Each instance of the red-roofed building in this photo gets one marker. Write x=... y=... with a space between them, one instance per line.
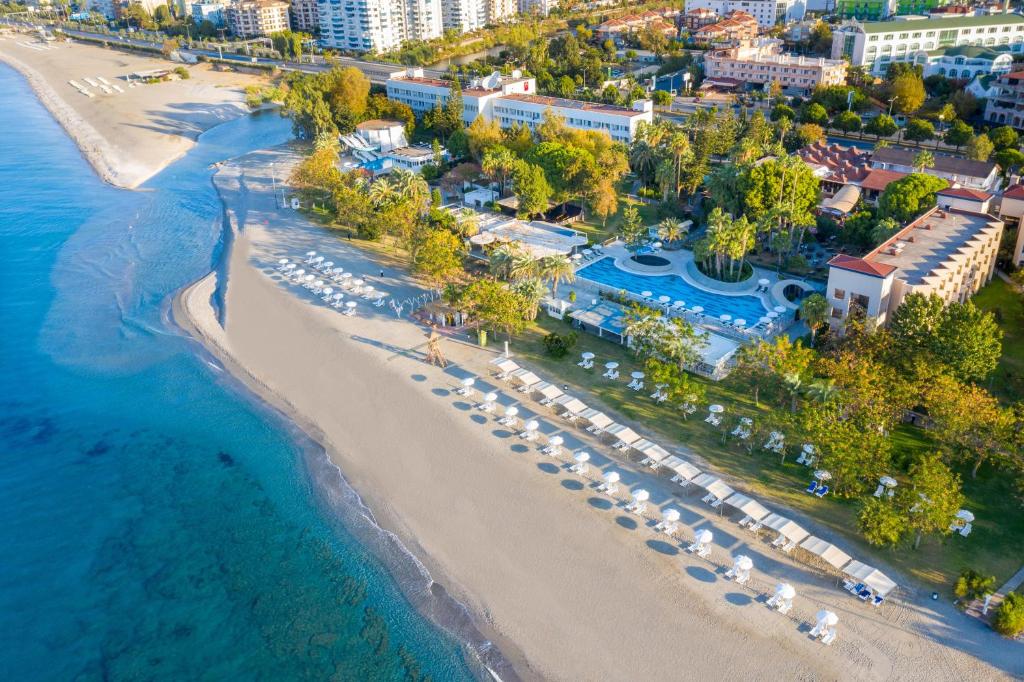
x=1003 y=108
x=699 y=18
x=877 y=179
x=738 y=28
x=964 y=199
x=661 y=21
x=1011 y=211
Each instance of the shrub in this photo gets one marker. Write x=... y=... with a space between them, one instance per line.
x=973 y=585
x=182 y=73
x=1009 y=620
x=557 y=345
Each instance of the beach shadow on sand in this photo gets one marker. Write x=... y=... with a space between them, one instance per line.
x=663 y=547
x=441 y=392
x=478 y=419
x=502 y=433
x=519 y=448
x=701 y=574
x=599 y=503
x=548 y=468
x=571 y=484
x=460 y=405
x=738 y=599
x=418 y=377
x=627 y=522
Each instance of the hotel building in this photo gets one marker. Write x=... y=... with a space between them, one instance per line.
x=464 y=15
x=875 y=45
x=306 y=15
x=765 y=63
x=378 y=25
x=251 y=18
x=947 y=252
x=767 y=12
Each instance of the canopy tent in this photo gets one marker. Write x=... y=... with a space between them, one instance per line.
x=623 y=433
x=785 y=527
x=748 y=506
x=525 y=377
x=650 y=450
x=572 y=404
x=596 y=418
x=547 y=391
x=504 y=364
x=879 y=582
x=843 y=202
x=826 y=550
x=713 y=485
x=685 y=470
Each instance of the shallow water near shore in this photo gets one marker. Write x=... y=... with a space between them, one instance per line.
x=155 y=522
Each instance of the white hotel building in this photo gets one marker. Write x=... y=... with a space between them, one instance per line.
x=876 y=44
x=511 y=101
x=378 y=25
x=767 y=12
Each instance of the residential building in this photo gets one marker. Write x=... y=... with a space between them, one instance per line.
x=1011 y=210
x=963 y=199
x=1007 y=106
x=950 y=253
x=500 y=10
x=835 y=165
x=378 y=25
x=621 y=123
x=699 y=17
x=661 y=21
x=423 y=94
x=250 y=18
x=875 y=45
x=876 y=10
x=767 y=12
x=983 y=175
x=965 y=62
x=306 y=15
x=542 y=7
x=736 y=29
x=765 y=62
x=464 y=15
x=209 y=10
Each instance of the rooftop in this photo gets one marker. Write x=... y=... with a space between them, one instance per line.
x=411 y=152
x=928 y=242
x=844 y=164
x=847 y=262
x=1014 y=192
x=878 y=179
x=965 y=193
x=943 y=162
x=574 y=104
x=973 y=52
x=377 y=124
x=941 y=24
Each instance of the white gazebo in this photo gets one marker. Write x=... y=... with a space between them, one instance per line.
x=753 y=510
x=825 y=551
x=652 y=452
x=870 y=577
x=623 y=435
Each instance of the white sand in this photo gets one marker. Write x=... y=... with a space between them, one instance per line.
x=567 y=586
x=129 y=136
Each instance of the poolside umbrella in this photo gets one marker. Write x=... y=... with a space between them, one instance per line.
x=704 y=537
x=646 y=294
x=611 y=477
x=310 y=254
x=511 y=411
x=283 y=261
x=725 y=317
x=965 y=516
x=716 y=409
x=664 y=299
x=697 y=309
x=637 y=375
x=779 y=309
x=679 y=304
x=288 y=268
x=298 y=273
x=771 y=314
x=338 y=296
x=318 y=260
x=784 y=591
x=888 y=481
x=351 y=305
x=581 y=457
x=823 y=475
x=740 y=322
x=531 y=425
x=346 y=275
x=587 y=356
x=337 y=271
x=670 y=515
x=743 y=563
x=491 y=397
x=328 y=291
x=611 y=365
x=327 y=266
x=468 y=381
x=641 y=495
x=764 y=281
x=764 y=320
x=556 y=441
x=358 y=282
x=656 y=245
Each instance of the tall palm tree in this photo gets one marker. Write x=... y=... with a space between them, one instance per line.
x=671 y=230
x=500 y=261
x=822 y=390
x=555 y=269
x=924 y=159
x=381 y=192
x=410 y=186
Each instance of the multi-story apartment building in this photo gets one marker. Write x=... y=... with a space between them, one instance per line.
x=1007 y=107
x=981 y=175
x=875 y=45
x=767 y=12
x=765 y=62
x=501 y=10
x=736 y=29
x=306 y=16
x=249 y=18
x=208 y=10
x=950 y=253
x=464 y=15
x=378 y=25
x=542 y=7
x=511 y=101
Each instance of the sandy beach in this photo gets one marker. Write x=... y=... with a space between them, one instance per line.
x=128 y=136
x=567 y=583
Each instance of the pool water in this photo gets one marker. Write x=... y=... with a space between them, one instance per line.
x=606 y=273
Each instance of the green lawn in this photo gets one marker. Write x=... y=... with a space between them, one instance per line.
x=1008 y=306
x=597 y=232
x=991 y=548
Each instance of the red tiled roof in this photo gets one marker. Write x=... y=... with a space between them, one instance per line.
x=878 y=179
x=860 y=265
x=965 y=193
x=1014 y=192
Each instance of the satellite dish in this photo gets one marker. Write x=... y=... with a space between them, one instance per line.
x=492 y=81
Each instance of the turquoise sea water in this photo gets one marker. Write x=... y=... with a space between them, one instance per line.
x=156 y=523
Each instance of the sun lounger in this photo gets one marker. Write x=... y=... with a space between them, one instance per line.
x=707 y=499
x=636 y=507
x=812 y=487
x=779 y=541
x=829 y=638
x=704 y=552
x=745 y=521
x=716 y=503
x=788 y=547
x=680 y=480
x=822 y=491
x=877 y=600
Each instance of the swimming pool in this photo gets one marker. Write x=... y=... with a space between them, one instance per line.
x=605 y=273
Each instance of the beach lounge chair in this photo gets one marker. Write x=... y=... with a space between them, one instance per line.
x=486 y=406
x=680 y=480
x=528 y=435
x=714 y=420
x=779 y=541
x=639 y=386
x=745 y=521
x=636 y=507
x=611 y=374
x=608 y=488
x=821 y=491
x=753 y=528
x=812 y=487
x=829 y=638
x=708 y=498
x=788 y=547
x=877 y=600
x=704 y=552
x=716 y=503
x=379 y=303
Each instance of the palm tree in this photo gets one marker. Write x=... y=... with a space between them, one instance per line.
x=555 y=269
x=381 y=192
x=411 y=186
x=923 y=159
x=643 y=157
x=822 y=390
x=500 y=261
x=814 y=311
x=671 y=230
x=794 y=382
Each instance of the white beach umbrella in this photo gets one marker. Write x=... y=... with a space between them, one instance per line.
x=581 y=457
x=327 y=265
x=670 y=515
x=888 y=481
x=310 y=279
x=337 y=271
x=965 y=515
x=346 y=275
x=338 y=296
x=725 y=317
x=764 y=320
x=611 y=477
x=318 y=260
x=641 y=495
x=512 y=411
x=611 y=365
x=587 y=356
x=491 y=397
x=664 y=299
x=740 y=322
x=298 y=273
x=704 y=536
x=743 y=563
x=351 y=304
x=531 y=425
x=716 y=409
x=328 y=291
x=637 y=375
x=556 y=441
x=771 y=314
x=697 y=309
x=826 y=618
x=288 y=268
x=780 y=309
x=283 y=261
x=646 y=294
x=784 y=591
x=468 y=381
x=763 y=281
x=310 y=254
x=822 y=475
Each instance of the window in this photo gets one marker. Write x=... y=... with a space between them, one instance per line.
x=839 y=294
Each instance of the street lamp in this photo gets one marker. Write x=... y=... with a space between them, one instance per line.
x=891 y=103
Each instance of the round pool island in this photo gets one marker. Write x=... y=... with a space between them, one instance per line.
x=647 y=263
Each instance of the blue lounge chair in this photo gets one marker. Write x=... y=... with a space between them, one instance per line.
x=812 y=487
x=864 y=595
x=877 y=601
x=822 y=491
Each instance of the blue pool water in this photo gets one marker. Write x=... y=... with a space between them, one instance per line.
x=605 y=272
x=155 y=522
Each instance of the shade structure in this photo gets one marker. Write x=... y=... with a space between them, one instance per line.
x=763 y=281
x=748 y=506
x=482 y=239
x=965 y=515
x=525 y=377
x=704 y=536
x=646 y=294
x=826 y=551
x=283 y=261
x=623 y=433
x=555 y=440
x=771 y=314
x=650 y=450
x=713 y=485
x=504 y=364
x=468 y=381
x=512 y=411
x=664 y=299
x=684 y=469
x=826 y=617
x=784 y=591
x=697 y=309
x=611 y=365
x=532 y=425
x=743 y=562
x=490 y=397
x=740 y=322
x=786 y=527
x=716 y=409
x=351 y=304
x=870 y=576
x=570 y=404
x=725 y=317
x=823 y=475
x=547 y=390
x=596 y=418
x=587 y=356
x=888 y=481
x=764 y=319
x=641 y=495
x=637 y=375
x=611 y=477
x=581 y=457
x=671 y=515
